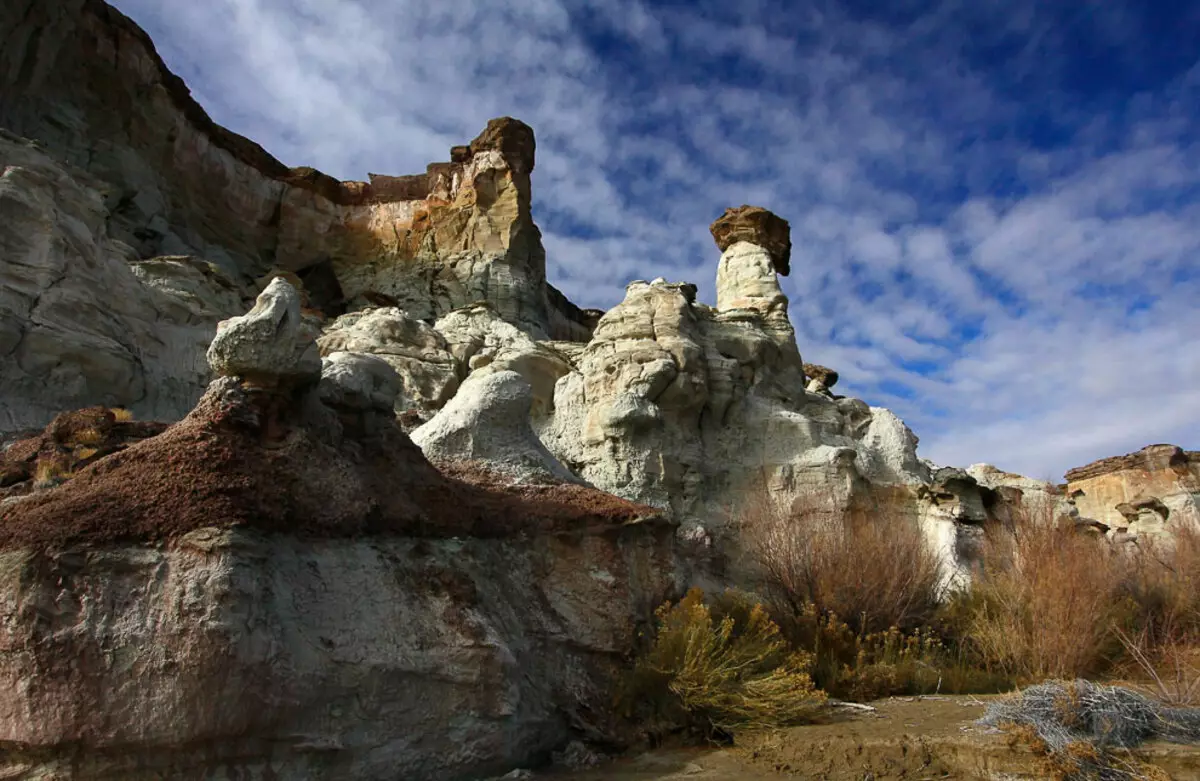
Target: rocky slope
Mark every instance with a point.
(281, 586)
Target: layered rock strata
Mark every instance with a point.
(281, 586)
(129, 169)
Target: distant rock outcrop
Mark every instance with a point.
(1149, 491)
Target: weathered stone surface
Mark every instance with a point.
(687, 408)
(271, 342)
(1165, 474)
(482, 342)
(275, 657)
(758, 226)
(78, 324)
(429, 372)
(487, 421)
(888, 451)
(358, 381)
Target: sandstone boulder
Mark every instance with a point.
(429, 372)
(360, 382)
(271, 343)
(487, 422)
(820, 378)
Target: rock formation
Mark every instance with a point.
(280, 585)
(283, 583)
(757, 226)
(129, 170)
(488, 422)
(1150, 491)
(820, 378)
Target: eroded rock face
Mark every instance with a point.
(482, 342)
(429, 373)
(78, 323)
(696, 410)
(1152, 490)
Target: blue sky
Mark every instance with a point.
(995, 206)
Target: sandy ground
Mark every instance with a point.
(903, 738)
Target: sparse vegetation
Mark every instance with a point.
(855, 609)
(874, 570)
(51, 470)
(720, 668)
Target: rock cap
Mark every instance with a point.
(815, 371)
(756, 225)
(511, 137)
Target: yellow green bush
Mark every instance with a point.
(721, 668)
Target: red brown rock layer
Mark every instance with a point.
(247, 458)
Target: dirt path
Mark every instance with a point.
(904, 738)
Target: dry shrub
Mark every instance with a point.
(88, 436)
(1163, 579)
(1163, 648)
(121, 415)
(1046, 603)
(720, 669)
(874, 569)
(52, 469)
(1172, 669)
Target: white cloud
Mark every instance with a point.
(1036, 298)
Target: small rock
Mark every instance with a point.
(271, 341)
(357, 381)
(757, 226)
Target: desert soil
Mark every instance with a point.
(903, 738)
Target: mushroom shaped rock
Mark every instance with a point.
(823, 374)
(359, 382)
(487, 421)
(758, 226)
(273, 342)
